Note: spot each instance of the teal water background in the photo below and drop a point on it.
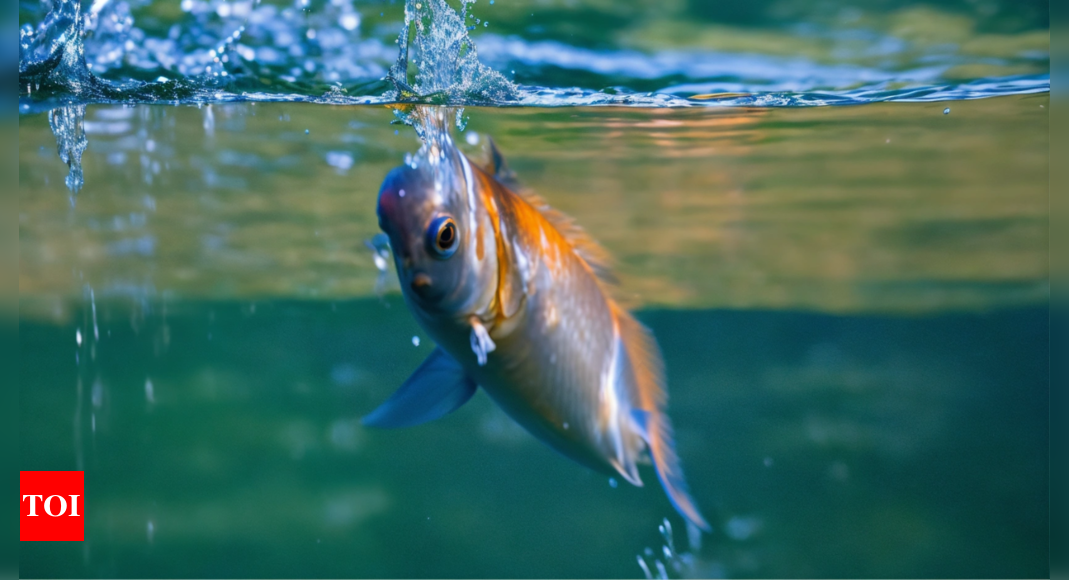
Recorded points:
(828, 446)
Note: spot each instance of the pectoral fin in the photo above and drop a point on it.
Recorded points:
(438, 387)
(481, 343)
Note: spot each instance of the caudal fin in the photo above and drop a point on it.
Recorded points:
(649, 417)
(656, 429)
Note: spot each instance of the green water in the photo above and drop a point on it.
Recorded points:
(852, 304)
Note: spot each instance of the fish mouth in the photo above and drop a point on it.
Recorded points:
(422, 285)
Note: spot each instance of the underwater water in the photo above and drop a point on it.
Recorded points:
(852, 301)
(855, 335)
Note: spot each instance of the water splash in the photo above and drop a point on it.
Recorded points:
(67, 124)
(445, 59)
(241, 50)
(680, 563)
(326, 51)
(53, 65)
(53, 55)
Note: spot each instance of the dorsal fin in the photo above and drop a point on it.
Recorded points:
(496, 166)
(585, 247)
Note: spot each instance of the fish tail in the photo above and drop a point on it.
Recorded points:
(657, 431)
(648, 416)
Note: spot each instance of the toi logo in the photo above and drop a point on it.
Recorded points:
(52, 505)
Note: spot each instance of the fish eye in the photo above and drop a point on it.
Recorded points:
(442, 237)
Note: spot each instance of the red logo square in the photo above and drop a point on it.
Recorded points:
(52, 506)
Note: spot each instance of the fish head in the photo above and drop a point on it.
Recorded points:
(430, 213)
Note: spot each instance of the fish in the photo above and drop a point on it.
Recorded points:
(519, 300)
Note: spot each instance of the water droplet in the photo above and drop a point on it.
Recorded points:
(350, 21)
(946, 111)
(645, 568)
(306, 131)
(415, 341)
(78, 337)
(613, 483)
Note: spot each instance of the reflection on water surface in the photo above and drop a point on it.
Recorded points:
(887, 208)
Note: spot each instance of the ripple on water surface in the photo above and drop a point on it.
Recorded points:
(338, 52)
